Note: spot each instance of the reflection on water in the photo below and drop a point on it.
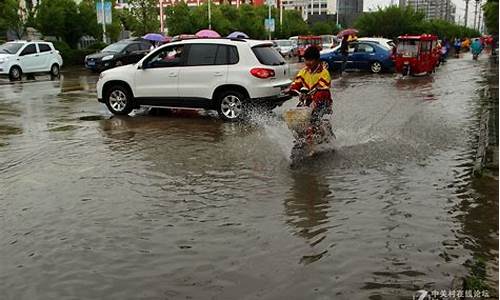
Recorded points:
(180, 206)
(307, 204)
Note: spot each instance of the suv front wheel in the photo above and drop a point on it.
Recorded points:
(15, 73)
(230, 105)
(119, 100)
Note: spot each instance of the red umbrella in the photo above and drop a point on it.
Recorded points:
(348, 31)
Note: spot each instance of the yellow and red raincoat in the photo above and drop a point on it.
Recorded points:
(318, 78)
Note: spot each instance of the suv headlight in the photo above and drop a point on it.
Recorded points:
(107, 57)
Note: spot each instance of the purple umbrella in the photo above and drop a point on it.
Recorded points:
(238, 35)
(154, 37)
(207, 33)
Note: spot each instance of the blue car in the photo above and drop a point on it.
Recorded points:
(362, 55)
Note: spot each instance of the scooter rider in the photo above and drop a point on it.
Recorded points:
(314, 76)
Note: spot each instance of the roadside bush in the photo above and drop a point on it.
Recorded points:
(73, 57)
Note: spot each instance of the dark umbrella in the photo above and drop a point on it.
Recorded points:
(154, 37)
(238, 35)
(348, 31)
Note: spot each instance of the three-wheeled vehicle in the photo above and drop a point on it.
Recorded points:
(416, 54)
(305, 41)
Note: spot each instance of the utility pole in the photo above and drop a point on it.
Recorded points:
(209, 15)
(269, 17)
(475, 13)
(479, 22)
(337, 16)
(162, 28)
(103, 23)
(281, 14)
(466, 12)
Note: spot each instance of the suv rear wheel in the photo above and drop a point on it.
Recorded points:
(54, 70)
(119, 100)
(230, 105)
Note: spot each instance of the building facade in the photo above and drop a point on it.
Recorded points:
(433, 9)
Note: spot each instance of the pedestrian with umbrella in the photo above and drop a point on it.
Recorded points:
(155, 39)
(345, 35)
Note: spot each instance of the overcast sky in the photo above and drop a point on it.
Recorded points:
(372, 4)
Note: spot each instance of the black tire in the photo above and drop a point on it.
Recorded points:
(406, 70)
(376, 67)
(55, 71)
(119, 100)
(230, 106)
(15, 73)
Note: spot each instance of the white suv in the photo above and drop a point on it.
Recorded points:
(20, 57)
(221, 74)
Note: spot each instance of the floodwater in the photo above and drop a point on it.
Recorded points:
(181, 207)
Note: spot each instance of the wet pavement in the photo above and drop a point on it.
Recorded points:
(181, 207)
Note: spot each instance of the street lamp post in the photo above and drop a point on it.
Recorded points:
(268, 17)
(209, 15)
(479, 22)
(162, 28)
(466, 12)
(281, 14)
(337, 16)
(103, 23)
(475, 13)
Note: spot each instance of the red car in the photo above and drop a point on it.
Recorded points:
(306, 41)
(417, 54)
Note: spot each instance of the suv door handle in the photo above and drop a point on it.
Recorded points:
(217, 73)
(172, 74)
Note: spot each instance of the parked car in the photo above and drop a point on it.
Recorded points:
(121, 53)
(284, 47)
(306, 41)
(221, 74)
(362, 55)
(29, 57)
(387, 43)
(329, 41)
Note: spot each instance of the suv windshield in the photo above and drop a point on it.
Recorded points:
(115, 48)
(10, 48)
(267, 55)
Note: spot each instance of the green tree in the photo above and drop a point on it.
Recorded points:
(390, 22)
(293, 25)
(11, 19)
(88, 15)
(199, 18)
(251, 23)
(491, 16)
(394, 21)
(319, 28)
(146, 13)
(179, 19)
(60, 18)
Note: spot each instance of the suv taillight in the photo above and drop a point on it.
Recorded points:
(262, 73)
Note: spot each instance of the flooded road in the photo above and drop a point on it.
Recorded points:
(178, 207)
